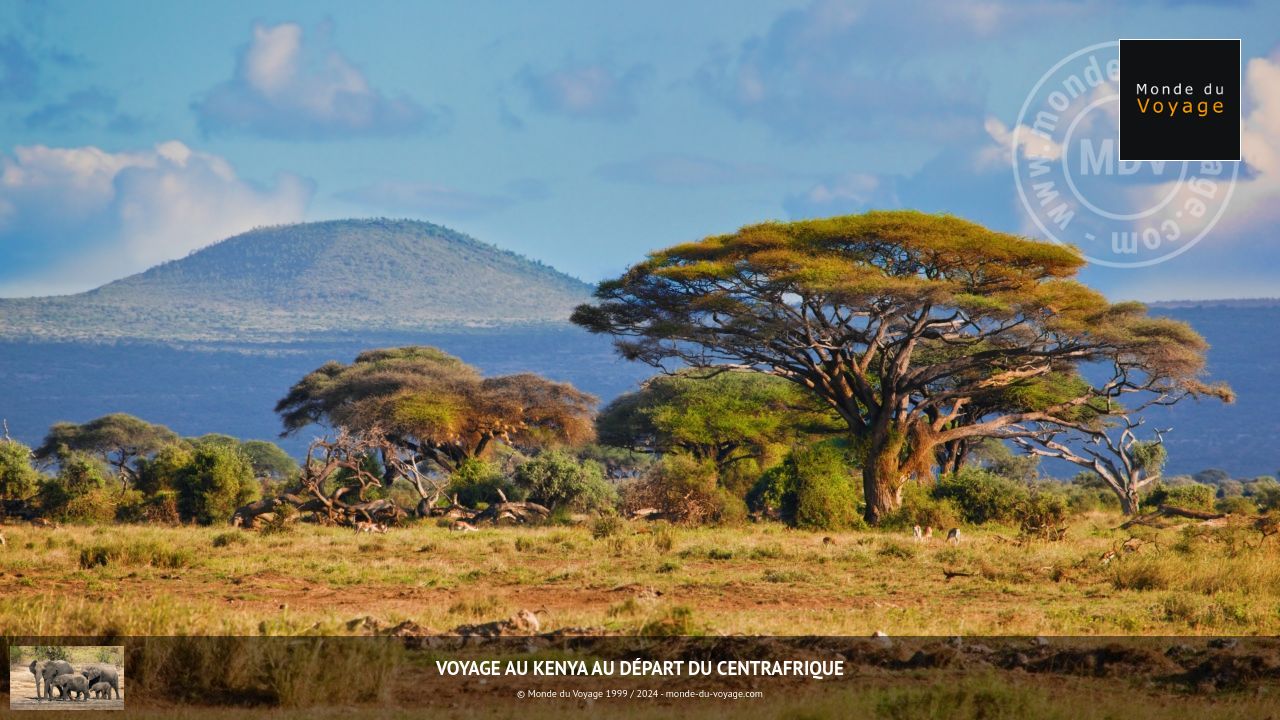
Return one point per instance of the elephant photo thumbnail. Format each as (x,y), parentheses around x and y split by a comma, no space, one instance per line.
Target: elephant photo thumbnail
(65,677)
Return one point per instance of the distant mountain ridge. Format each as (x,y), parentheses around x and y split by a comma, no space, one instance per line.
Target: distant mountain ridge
(293,280)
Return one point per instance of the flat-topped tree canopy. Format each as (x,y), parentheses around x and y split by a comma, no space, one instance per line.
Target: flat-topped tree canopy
(919,330)
(118,438)
(436,406)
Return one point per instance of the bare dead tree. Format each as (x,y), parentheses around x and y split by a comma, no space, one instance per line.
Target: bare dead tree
(1124,462)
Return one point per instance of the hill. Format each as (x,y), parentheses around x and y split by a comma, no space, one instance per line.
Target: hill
(291,281)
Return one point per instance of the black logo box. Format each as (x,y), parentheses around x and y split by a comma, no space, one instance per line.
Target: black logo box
(1182,64)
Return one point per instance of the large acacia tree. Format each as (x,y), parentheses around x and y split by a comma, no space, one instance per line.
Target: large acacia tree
(434,410)
(920,331)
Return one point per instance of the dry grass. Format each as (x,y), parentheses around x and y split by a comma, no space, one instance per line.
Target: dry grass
(758,579)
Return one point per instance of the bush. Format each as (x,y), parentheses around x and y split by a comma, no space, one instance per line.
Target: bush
(160,473)
(981,496)
(162,508)
(1042,514)
(557,479)
(79,492)
(218,480)
(476,481)
(1236,505)
(684,490)
(1192,496)
(131,507)
(920,507)
(607,526)
(18,480)
(1266,495)
(94,507)
(813,488)
(135,552)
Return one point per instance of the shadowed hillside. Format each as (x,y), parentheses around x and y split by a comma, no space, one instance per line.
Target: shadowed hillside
(284,282)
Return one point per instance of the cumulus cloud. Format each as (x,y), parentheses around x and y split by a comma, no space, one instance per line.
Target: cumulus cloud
(289,87)
(681,169)
(74,218)
(592,91)
(841,68)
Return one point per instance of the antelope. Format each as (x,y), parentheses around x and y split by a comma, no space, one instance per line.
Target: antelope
(917,534)
(928,532)
(953,536)
(462,526)
(368,527)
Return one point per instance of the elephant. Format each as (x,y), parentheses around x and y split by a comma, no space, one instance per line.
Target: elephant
(72,684)
(103,674)
(45,672)
(101,690)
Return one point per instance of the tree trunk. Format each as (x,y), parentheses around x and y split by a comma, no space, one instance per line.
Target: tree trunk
(882,476)
(1129,501)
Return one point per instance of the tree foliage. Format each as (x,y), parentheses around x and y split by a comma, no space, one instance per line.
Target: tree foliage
(435,407)
(119,439)
(216,481)
(918,330)
(724,418)
(557,479)
(18,479)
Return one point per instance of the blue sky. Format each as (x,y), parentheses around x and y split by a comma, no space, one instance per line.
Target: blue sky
(579,133)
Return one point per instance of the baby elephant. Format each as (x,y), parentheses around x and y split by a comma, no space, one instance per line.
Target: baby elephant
(72,685)
(101,690)
(99,674)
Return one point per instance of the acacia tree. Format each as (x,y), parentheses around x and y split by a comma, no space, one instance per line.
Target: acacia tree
(724,418)
(119,439)
(434,410)
(902,322)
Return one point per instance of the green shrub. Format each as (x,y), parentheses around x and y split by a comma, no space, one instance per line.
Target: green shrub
(476,481)
(1042,514)
(131,507)
(1192,496)
(920,507)
(218,480)
(1236,505)
(607,526)
(134,552)
(679,487)
(981,496)
(18,480)
(728,508)
(557,479)
(227,539)
(814,488)
(1266,495)
(79,492)
(160,473)
(93,507)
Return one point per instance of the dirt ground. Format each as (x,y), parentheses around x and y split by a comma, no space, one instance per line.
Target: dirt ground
(22,694)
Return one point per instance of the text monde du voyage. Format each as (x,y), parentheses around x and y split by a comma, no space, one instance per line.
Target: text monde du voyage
(1179,99)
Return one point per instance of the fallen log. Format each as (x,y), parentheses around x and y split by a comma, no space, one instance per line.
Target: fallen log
(1174,511)
(514,512)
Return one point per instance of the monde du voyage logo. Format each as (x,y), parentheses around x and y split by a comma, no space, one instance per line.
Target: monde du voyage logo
(1130,149)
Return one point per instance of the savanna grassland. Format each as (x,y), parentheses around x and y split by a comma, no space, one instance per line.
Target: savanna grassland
(641,578)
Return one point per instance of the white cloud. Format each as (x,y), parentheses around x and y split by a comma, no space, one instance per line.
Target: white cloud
(285,87)
(74,218)
(852,192)
(584,90)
